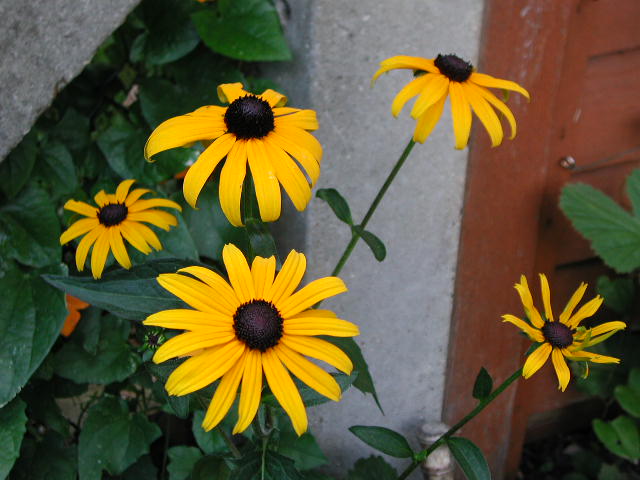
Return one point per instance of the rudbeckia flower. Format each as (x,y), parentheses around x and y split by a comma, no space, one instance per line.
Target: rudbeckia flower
(118,215)
(450,76)
(562,337)
(255,323)
(74,305)
(253,129)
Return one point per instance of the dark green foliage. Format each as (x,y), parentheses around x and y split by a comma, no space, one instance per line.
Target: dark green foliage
(384,440)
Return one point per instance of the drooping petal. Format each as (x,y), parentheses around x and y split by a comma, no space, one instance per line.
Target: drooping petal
(290,176)
(228,92)
(223,295)
(285,390)
(561,368)
(461,113)
(404,61)
(141,205)
(263,271)
(85,245)
(200,171)
(288,278)
(81,208)
(501,107)
(589,356)
(191,291)
(311,294)
(437,88)
(251,390)
(293,117)
(185,319)
(187,343)
(300,137)
(319,349)
(100,253)
(536,360)
(309,373)
(123,190)
(265,181)
(410,90)
(485,113)
(607,327)
(532,333)
(492,82)
(311,326)
(118,248)
(224,396)
(527,302)
(587,310)
(231,180)
(308,161)
(138,230)
(80,227)
(427,122)
(239,273)
(572,303)
(273,98)
(546,297)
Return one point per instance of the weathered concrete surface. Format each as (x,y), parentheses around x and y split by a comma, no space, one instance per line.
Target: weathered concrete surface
(403,305)
(44,45)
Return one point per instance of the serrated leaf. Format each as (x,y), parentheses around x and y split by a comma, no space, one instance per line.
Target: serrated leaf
(384,440)
(248,30)
(30,230)
(618,293)
(470,458)
(373,467)
(12,427)
(170,32)
(112,438)
(374,243)
(278,467)
(613,232)
(16,169)
(181,461)
(337,203)
(483,384)
(303,450)
(41,310)
(132,294)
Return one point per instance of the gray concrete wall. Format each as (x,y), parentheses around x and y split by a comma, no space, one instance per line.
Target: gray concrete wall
(403,305)
(44,45)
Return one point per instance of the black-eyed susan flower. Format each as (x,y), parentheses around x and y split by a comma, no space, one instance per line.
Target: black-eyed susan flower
(74,305)
(117,216)
(450,76)
(562,337)
(253,324)
(253,129)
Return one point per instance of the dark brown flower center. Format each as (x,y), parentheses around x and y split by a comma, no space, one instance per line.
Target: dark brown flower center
(453,67)
(557,334)
(112,214)
(249,117)
(258,324)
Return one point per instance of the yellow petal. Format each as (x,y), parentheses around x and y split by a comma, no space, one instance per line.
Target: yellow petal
(607,327)
(222,296)
(228,92)
(224,396)
(101,198)
(310,164)
(546,297)
(204,368)
(410,90)
(85,244)
(141,205)
(485,113)
(300,137)
(334,327)
(118,248)
(315,313)
(123,190)
(265,181)
(427,122)
(527,302)
(137,236)
(80,227)
(293,117)
(311,294)
(572,303)
(192,292)
(501,107)
(589,356)
(159,218)
(135,195)
(81,208)
(200,171)
(239,273)
(285,390)
(251,390)
(532,333)
(536,360)
(99,254)
(288,278)
(263,271)
(492,82)
(461,113)
(273,98)
(185,319)
(437,88)
(561,368)
(231,180)
(320,349)
(309,373)
(187,343)
(404,61)
(587,310)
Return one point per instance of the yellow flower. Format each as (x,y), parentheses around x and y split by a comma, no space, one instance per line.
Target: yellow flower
(74,305)
(116,216)
(251,325)
(561,338)
(253,129)
(449,75)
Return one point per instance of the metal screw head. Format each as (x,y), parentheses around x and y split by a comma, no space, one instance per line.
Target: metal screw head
(568,162)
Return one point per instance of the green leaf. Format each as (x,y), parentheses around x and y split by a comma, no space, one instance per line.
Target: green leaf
(613,232)
(609,437)
(311,398)
(483,384)
(470,458)
(171,35)
(112,438)
(48,459)
(176,244)
(337,203)
(143,469)
(633,191)
(16,169)
(611,472)
(384,440)
(303,450)
(618,293)
(627,430)
(260,239)
(179,406)
(132,294)
(278,467)
(181,461)
(72,130)
(634,379)
(628,399)
(210,467)
(122,144)
(58,169)
(248,30)
(30,230)
(210,229)
(12,427)
(373,467)
(375,244)
(41,311)
(364,381)
(113,361)
(211,441)
(42,406)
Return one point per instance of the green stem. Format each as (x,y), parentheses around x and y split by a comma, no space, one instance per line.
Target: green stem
(376,201)
(422,455)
